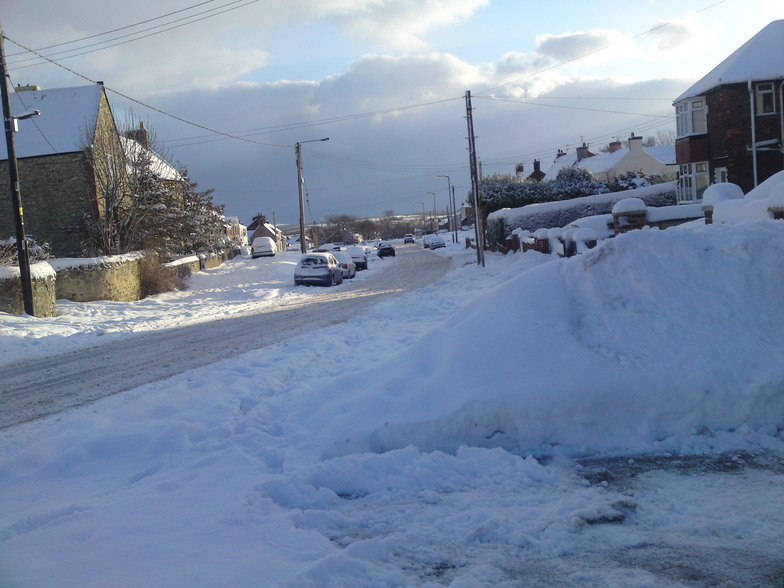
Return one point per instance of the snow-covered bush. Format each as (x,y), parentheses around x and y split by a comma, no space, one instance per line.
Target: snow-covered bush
(575,182)
(500,224)
(9,255)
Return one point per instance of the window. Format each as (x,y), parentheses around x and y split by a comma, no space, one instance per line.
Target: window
(766,103)
(720,175)
(692,181)
(690,117)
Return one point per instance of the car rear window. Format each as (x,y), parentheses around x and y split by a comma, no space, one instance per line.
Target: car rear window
(313,261)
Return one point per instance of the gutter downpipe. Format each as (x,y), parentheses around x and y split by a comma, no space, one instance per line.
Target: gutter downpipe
(753,132)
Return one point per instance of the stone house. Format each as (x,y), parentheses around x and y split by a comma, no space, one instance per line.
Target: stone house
(58,187)
(658,160)
(730,124)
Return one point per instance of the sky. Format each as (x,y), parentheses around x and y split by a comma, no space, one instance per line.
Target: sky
(384,80)
(437,442)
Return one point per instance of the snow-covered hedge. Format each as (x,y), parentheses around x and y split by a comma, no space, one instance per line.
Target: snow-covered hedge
(501,223)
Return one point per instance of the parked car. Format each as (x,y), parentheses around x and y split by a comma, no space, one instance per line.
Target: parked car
(409,239)
(359,256)
(437,242)
(427,239)
(386,249)
(318,268)
(346,263)
(263,247)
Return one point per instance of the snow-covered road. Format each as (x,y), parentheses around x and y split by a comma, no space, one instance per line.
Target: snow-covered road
(47,385)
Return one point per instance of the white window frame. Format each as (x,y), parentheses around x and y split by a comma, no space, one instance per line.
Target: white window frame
(765,95)
(720,175)
(693,179)
(691,117)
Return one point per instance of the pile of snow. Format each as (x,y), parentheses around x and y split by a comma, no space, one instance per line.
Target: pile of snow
(655,336)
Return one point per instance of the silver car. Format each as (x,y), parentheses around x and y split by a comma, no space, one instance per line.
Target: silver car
(318,268)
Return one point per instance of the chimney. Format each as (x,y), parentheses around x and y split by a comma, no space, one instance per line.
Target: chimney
(560,153)
(615,145)
(27,88)
(583,153)
(635,143)
(519,169)
(141,135)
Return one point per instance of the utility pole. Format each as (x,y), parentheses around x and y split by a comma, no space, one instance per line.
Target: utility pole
(25,275)
(454,211)
(480,254)
(300,182)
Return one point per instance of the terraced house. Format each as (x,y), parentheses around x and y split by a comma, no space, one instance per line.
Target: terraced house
(730,124)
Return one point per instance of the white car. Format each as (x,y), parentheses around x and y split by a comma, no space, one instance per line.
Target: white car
(263,247)
(346,262)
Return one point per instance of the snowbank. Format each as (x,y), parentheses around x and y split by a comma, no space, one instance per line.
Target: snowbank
(632,346)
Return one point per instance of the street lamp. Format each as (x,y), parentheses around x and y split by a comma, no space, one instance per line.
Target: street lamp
(300,182)
(11,126)
(451,194)
(435,219)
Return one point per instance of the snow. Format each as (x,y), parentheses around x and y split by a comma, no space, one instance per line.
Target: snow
(628,205)
(759,58)
(431,441)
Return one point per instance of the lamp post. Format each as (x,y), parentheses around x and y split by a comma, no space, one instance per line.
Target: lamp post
(453,218)
(25,276)
(434,211)
(300,182)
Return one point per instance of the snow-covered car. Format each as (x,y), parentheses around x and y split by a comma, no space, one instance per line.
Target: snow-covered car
(359,256)
(426,240)
(437,242)
(386,249)
(318,268)
(408,239)
(346,262)
(263,247)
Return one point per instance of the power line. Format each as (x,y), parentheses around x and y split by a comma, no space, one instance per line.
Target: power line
(148,106)
(87,38)
(190,20)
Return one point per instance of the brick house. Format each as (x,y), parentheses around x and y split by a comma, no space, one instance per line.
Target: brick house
(730,124)
(57,186)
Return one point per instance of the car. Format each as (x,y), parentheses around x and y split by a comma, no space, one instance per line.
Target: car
(386,249)
(427,239)
(318,268)
(263,247)
(437,242)
(346,263)
(409,239)
(359,256)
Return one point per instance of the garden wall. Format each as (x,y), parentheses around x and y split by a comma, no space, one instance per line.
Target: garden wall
(43,281)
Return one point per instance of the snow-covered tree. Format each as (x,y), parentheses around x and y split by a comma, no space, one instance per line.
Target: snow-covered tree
(143,201)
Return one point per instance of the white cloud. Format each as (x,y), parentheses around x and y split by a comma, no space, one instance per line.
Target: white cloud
(399,24)
(593,46)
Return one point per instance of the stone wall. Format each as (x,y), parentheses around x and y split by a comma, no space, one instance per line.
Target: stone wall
(113,277)
(43,281)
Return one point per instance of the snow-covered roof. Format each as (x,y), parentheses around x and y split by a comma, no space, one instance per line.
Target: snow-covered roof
(66,114)
(759,58)
(159,166)
(604,162)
